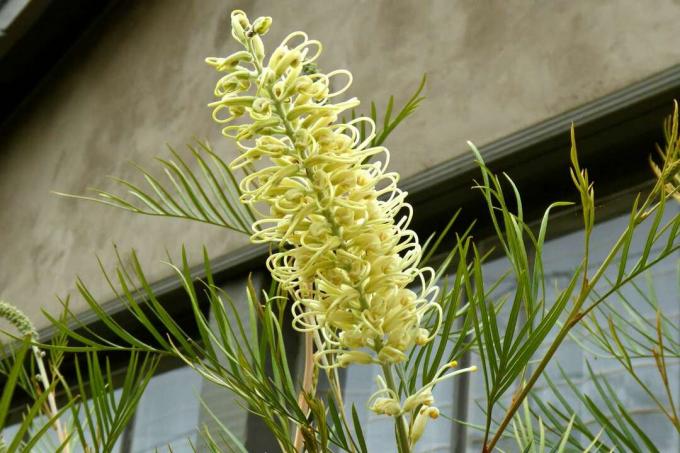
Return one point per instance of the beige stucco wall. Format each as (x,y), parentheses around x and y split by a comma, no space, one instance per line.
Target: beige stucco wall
(138,82)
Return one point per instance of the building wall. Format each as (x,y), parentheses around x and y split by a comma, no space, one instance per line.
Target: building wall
(137,81)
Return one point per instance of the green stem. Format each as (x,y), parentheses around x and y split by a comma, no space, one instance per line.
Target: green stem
(402,436)
(574,317)
(51,399)
(518,399)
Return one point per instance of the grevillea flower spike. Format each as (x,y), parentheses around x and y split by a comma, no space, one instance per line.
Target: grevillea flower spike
(340,223)
(344,256)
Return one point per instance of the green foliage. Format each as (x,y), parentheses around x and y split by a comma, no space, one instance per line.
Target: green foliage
(245,355)
(101,416)
(390,123)
(206,191)
(506,356)
(90,415)
(239,344)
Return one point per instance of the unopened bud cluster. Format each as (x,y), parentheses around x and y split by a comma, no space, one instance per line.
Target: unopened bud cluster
(420,404)
(342,253)
(18,319)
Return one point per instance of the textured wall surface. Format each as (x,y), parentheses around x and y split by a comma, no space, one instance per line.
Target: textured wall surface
(137,81)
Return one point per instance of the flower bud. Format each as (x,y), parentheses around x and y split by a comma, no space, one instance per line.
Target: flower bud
(389,354)
(234,101)
(360,357)
(353,338)
(258,47)
(422,337)
(418,427)
(424,397)
(290,59)
(261,25)
(229,63)
(239,24)
(261,109)
(386,406)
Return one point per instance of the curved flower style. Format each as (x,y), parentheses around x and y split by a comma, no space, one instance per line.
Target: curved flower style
(343,254)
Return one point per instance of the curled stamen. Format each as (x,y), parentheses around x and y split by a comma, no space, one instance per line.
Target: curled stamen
(347,254)
(344,72)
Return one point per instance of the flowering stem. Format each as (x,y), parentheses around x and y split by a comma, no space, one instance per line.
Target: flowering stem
(24,325)
(51,400)
(306,387)
(402,436)
(309,362)
(309,340)
(324,170)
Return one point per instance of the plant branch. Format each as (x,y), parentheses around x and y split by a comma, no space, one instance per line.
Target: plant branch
(402,435)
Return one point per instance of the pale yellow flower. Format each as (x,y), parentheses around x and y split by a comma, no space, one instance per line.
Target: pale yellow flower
(335,213)
(418,427)
(344,255)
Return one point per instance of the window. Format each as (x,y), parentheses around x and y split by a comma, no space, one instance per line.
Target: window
(168,413)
